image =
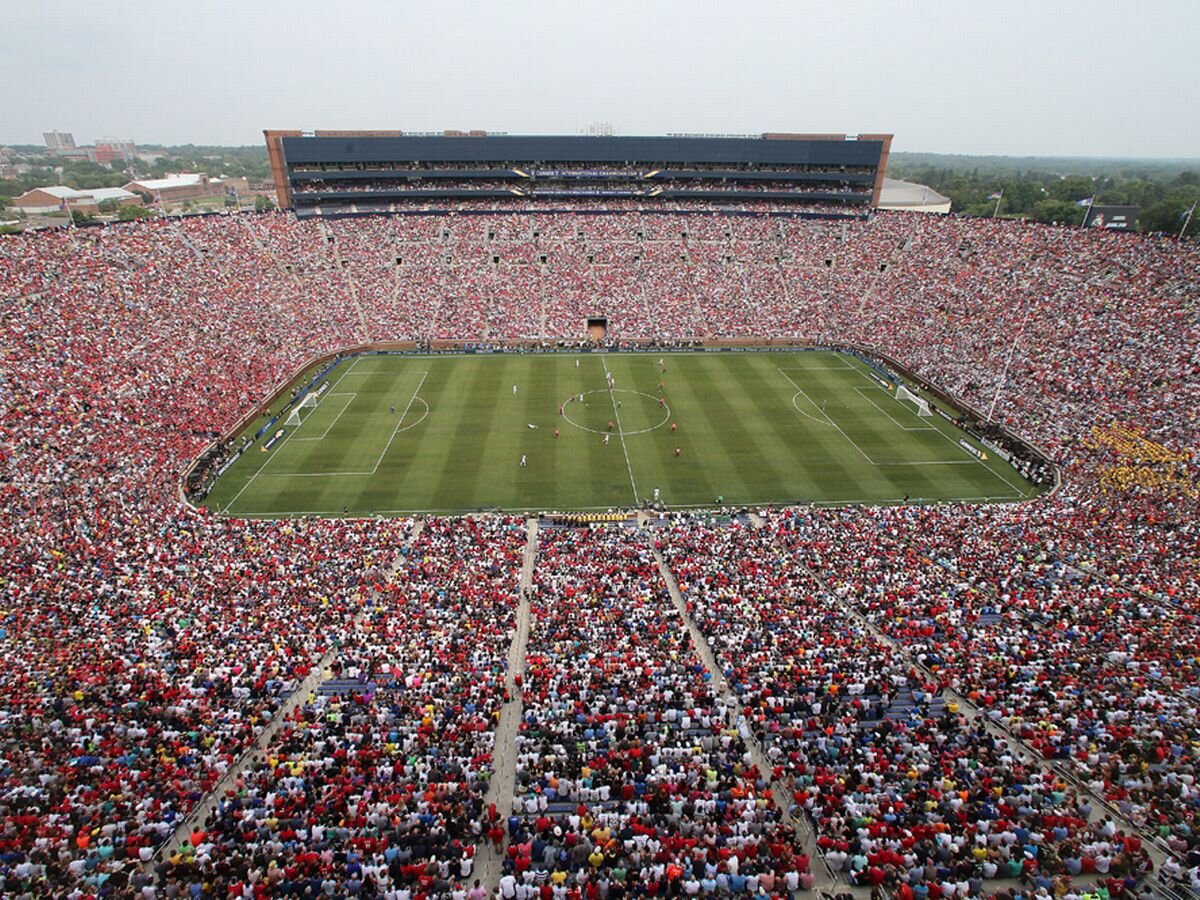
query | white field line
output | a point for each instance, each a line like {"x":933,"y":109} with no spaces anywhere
{"x":344,"y":474}
{"x":329,"y":427}
{"x":770,"y":504}
{"x":829,"y":420}
{"x":620,"y":432}
{"x":862,"y":393}
{"x":841,"y":368}
{"x":1022,"y":493}
{"x":400,"y":421}
{"x":853,"y":368}
{"x":287,"y":437}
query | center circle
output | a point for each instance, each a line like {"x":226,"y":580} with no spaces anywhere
{"x":574,"y":399}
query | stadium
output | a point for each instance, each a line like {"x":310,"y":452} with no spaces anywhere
{"x":598,"y":517}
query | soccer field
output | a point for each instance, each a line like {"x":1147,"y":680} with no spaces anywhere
{"x":403,"y":434}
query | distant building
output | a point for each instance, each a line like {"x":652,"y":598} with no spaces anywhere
{"x":109,"y":149}
{"x":59,"y":198}
{"x":57,"y":141}
{"x":177,"y":188}
{"x":105,"y":151}
{"x":914,"y":197}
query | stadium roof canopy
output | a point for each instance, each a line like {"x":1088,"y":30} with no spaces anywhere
{"x":909,"y":195}
{"x":170,"y":183}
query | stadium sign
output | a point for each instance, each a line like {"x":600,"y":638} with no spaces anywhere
{"x":1114,"y":218}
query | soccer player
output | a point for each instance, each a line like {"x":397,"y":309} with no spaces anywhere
{"x":524,"y":462}
{"x":392,"y":410}
{"x":556,"y":434}
{"x":678,"y":450}
{"x":606,"y":437}
{"x":514,"y":390}
{"x":610,"y":424}
{"x":673,"y":426}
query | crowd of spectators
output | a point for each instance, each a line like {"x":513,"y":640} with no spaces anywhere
{"x":632,"y":774}
{"x":375,"y":786}
{"x":147,"y":644}
{"x":903,"y":788}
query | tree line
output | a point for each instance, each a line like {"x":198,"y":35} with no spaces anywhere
{"x":1052,"y":190}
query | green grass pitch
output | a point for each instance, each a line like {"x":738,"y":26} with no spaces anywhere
{"x":403,"y":434}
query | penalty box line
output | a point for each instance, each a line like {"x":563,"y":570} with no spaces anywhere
{"x":287,"y":437}
{"x":853,"y":443}
{"x":400,"y":421}
{"x":1022,"y":493}
{"x":328,"y":428}
{"x":969,"y":460}
{"x":862,"y":392}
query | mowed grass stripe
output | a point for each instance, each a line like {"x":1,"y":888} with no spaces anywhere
{"x":962,"y":475}
{"x":767,"y":463}
{"x":416,"y":485}
{"x":403,"y":470}
{"x":474,"y":413}
{"x":740,"y":436}
{"x":729,"y":454}
{"x":607,"y":469}
{"x":652,"y":451}
{"x":810,"y":447}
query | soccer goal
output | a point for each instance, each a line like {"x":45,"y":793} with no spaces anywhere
{"x":904,"y":395}
{"x":309,"y":402}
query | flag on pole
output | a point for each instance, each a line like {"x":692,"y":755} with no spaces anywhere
{"x":1086,"y":201}
{"x":1187,"y":213}
{"x":996,"y":196}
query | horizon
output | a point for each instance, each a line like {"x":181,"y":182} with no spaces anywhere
{"x":1024,"y":80}
{"x":155,"y":145}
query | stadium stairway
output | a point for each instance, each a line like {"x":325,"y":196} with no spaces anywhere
{"x":364,"y":330}
{"x":188,"y":242}
{"x":256,"y":752}
{"x":1018,"y":747}
{"x":806,"y":837}
{"x":489,"y":859}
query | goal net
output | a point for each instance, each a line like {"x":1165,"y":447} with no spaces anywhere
{"x":904,"y":395}
{"x":309,"y":402}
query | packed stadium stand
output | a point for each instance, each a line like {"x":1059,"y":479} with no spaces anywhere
{"x":923,"y":701}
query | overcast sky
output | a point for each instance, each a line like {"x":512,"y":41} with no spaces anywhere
{"x":1013,"y":77}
